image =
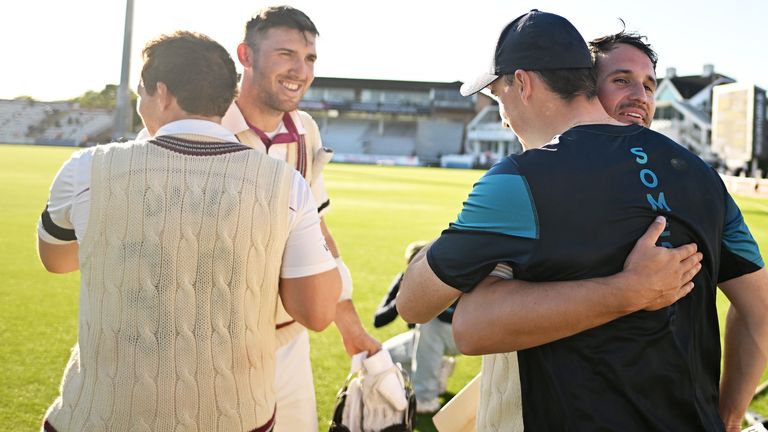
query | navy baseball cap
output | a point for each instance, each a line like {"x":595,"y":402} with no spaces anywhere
{"x":534,"y":41}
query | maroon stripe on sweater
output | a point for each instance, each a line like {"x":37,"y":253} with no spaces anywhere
{"x":284,"y":324}
{"x":301,"y":162}
{"x":266,"y":427}
{"x":196,"y":148}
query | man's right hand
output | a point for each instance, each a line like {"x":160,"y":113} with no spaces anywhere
{"x":516,"y":314}
{"x":660,"y":276}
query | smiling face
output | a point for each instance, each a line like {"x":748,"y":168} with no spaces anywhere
{"x":626,"y":84}
{"x":282,"y":67}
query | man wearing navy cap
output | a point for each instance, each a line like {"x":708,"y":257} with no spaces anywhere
{"x":599,"y":352}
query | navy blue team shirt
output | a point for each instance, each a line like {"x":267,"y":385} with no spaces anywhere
{"x":574,"y":209}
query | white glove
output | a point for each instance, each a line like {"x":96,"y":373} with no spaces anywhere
{"x":384,"y":401}
{"x":351,"y":416}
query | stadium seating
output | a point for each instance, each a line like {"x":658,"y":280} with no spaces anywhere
{"x":50,"y":123}
{"x":346,"y":136}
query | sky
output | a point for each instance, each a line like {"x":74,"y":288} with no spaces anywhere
{"x":56,"y":50}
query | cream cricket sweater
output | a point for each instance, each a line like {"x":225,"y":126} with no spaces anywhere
{"x":303,"y":156}
{"x":501,"y":404}
{"x":180,"y":268}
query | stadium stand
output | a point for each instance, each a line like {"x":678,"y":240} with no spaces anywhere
{"x":76,"y":128}
{"x":439,"y":137}
{"x":390,"y":122}
{"x":346,"y":136}
{"x":395,"y":138}
{"x":392,"y":146}
{"x":51,"y":123}
{"x":362,"y":120}
{"x":18,"y":120}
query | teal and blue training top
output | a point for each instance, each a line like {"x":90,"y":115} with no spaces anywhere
{"x":573,"y":210}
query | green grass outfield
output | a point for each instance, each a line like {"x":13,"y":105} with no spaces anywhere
{"x":376,"y":212}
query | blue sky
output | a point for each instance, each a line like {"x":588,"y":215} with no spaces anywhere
{"x":59,"y":49}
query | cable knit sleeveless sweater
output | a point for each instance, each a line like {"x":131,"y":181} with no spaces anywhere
{"x":300,"y":155}
{"x":501,"y":404}
{"x":180,"y":268}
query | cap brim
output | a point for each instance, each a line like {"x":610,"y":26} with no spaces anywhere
{"x":481,"y":82}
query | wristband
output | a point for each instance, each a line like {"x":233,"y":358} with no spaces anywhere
{"x":502,"y":271}
{"x":346,"y":280}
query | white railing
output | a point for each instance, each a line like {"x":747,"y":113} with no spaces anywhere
{"x":746,"y":185}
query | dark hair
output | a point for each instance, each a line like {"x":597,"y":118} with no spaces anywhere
{"x":567,"y":83}
{"x":277,"y":16}
{"x":197,"y":70}
{"x":606,"y":44}
{"x":413,"y":249}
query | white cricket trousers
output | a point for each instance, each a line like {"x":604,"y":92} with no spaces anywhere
{"x":294,"y":388}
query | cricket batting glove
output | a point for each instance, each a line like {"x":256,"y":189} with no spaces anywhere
{"x":384,"y":394}
{"x":352,"y":416}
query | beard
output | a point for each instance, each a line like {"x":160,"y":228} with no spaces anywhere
{"x":263,"y":92}
{"x":276,"y":103}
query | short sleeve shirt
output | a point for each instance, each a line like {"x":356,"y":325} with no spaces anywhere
{"x":235,"y":122}
{"x":65,"y":218}
{"x":573,"y":210}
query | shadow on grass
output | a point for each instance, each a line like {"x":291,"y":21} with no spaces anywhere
{"x":424,"y":421}
{"x":755,"y":212}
